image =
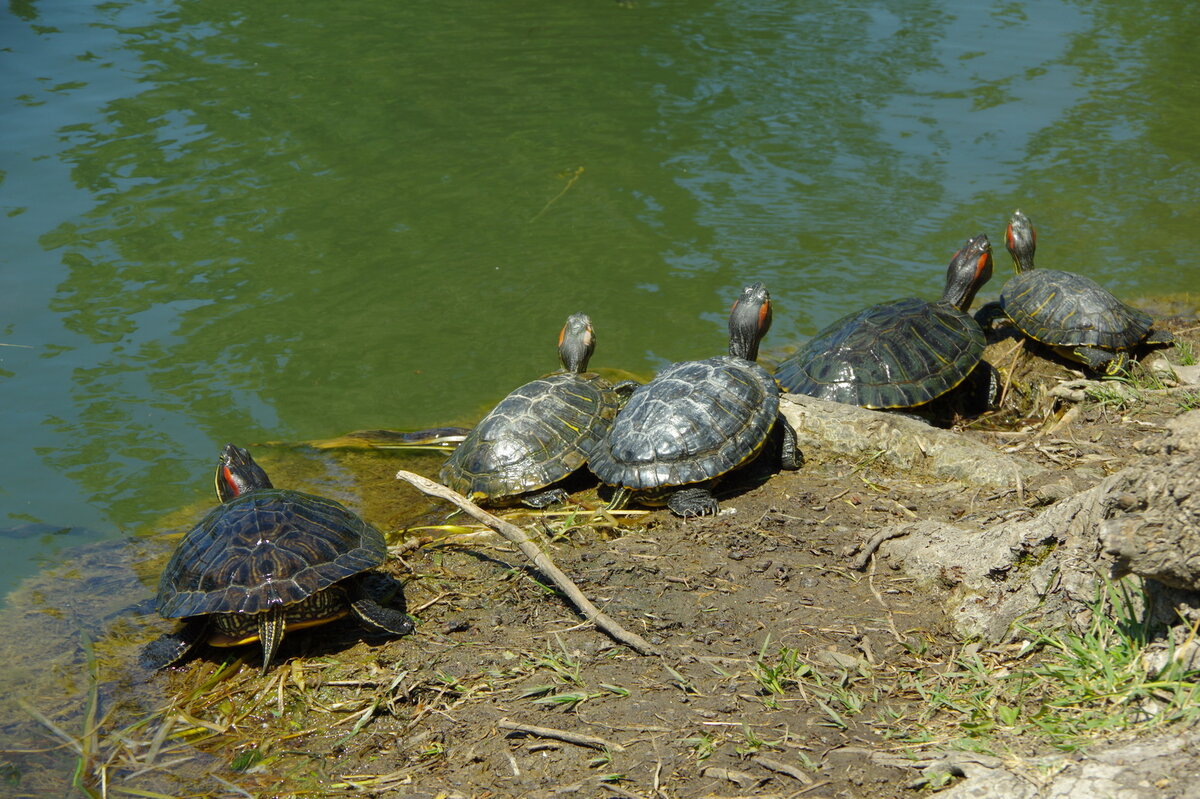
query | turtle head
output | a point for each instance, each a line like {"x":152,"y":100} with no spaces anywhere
{"x":576,"y":342}
{"x":237,"y":473}
{"x":749,"y":321}
{"x":1021,"y":240}
{"x":969,"y":269}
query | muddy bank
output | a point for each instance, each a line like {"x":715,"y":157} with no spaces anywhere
{"x":816,"y":634}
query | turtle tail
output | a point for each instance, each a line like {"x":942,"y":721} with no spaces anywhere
{"x":270,"y":634}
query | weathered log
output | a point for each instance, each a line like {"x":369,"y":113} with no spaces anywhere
{"x":905,"y":444}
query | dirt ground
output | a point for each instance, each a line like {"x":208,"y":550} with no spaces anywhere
{"x":783,"y":674}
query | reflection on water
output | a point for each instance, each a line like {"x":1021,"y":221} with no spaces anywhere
{"x":225,"y":222}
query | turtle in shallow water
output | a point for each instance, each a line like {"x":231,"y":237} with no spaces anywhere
{"x":541,"y":432}
{"x":698,"y":420}
{"x":269,"y":560}
{"x":905,"y":353}
{"x":1072,"y":314}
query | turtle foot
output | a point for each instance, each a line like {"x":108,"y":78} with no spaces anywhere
{"x":1158,"y":338}
{"x":374,"y":589}
{"x":790,"y":456}
{"x":693,"y":502}
{"x":170,"y":648}
{"x":384,"y":619}
{"x":1104,"y":362}
{"x":544,"y":499}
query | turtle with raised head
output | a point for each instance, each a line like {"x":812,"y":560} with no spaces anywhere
{"x":696,"y":421}
{"x":1072,"y":314}
{"x":905,"y":353}
{"x":269,"y":560}
{"x":540,"y":433}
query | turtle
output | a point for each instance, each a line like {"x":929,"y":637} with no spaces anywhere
{"x":541,"y":432}
{"x":905,"y":353}
{"x":696,"y":421}
{"x":269,"y":560}
{"x":1072,"y":314}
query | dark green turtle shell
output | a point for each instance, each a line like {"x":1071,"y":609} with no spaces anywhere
{"x":266,"y":549}
{"x":897,"y":354}
{"x":537,"y":435}
{"x":694,"y":421}
{"x":1064,"y":309}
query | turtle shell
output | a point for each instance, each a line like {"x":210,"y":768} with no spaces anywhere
{"x":266,"y":549}
{"x":896,"y":354}
{"x":1064,"y":309}
{"x":537,"y":435}
{"x":694,"y":421}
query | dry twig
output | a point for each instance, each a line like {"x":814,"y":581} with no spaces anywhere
{"x":873,"y":545}
{"x":540,"y":559}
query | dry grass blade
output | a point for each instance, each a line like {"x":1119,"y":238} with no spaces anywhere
{"x":540,"y":559}
{"x":373,"y":782}
{"x":559,"y":735}
{"x":147,"y":794}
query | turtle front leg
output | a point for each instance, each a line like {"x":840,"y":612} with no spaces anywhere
{"x":992,"y":316}
{"x":693,"y":502}
{"x":170,"y":648}
{"x":370,"y":592}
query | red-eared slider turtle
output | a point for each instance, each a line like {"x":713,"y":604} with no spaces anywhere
{"x":899,"y":354}
{"x":1074,"y":315}
{"x":541,"y":432}
{"x":697,"y":420}
{"x":268,"y":560}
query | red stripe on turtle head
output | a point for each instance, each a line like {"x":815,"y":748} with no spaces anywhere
{"x":230,"y":482}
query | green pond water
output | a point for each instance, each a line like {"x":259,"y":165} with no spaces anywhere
{"x":260,"y":222}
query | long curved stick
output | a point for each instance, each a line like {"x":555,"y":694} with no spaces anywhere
{"x":540,"y":559}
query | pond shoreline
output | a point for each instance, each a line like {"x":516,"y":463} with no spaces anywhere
{"x":787,"y":666}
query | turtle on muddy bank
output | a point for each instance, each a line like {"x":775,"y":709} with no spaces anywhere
{"x":269,"y":560}
{"x":542,"y":432}
{"x":698,"y":420}
{"x":1071,"y":314}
